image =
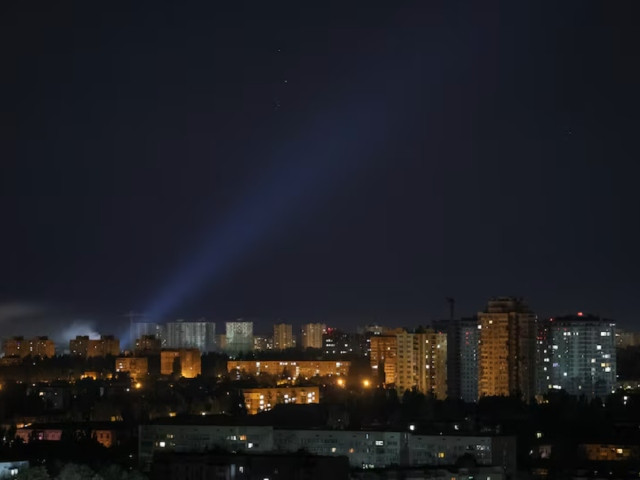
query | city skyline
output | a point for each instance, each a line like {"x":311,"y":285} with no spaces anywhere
{"x":347,"y":240}
{"x":18,"y":323}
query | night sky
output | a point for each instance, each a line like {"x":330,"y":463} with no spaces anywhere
{"x":317,"y":162}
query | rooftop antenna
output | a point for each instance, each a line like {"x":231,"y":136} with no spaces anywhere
{"x":452,"y":302}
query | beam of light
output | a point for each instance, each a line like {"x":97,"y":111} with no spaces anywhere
{"x":285,"y":192}
{"x":338,"y":143}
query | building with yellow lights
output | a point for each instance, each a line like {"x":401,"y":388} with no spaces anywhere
{"x":312,"y":335}
{"x":283,"y":336}
{"x":262,"y":399}
{"x":422,"y":362}
{"x":186,"y":361}
{"x":36,"y":347}
{"x":137,"y":367}
{"x":507,"y":348}
{"x":384,"y":349}
{"x":83,"y":346}
{"x":294,"y":369}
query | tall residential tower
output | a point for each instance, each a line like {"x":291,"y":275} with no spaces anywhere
{"x":507,"y":349}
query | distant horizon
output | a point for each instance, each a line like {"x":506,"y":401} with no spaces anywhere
{"x":61,"y":328}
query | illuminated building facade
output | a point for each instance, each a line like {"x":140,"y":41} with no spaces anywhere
{"x":36,"y":347}
{"x":85,"y":347}
{"x":262,"y":343}
{"x":259,"y":400}
{"x":312,"y":335}
{"x":283,"y":336}
{"x":137,"y":367}
{"x":295,"y":369}
{"x":185,"y":361}
{"x":422,"y":362}
{"x":580,"y":355}
{"x":200,"y":335}
{"x":338,"y":342}
{"x":239,"y":337}
{"x":507,"y":349}
{"x":384,"y":349}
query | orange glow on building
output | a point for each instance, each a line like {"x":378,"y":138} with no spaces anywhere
{"x":189,"y":362}
{"x":262,"y":399}
{"x":36,"y":347}
{"x":137,"y":367}
{"x":85,"y":347}
{"x":295,"y":369}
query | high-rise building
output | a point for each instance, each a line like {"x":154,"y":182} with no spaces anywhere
{"x":422,"y":362}
{"x":200,"y":335}
{"x":36,"y":347}
{"x":507,"y":349}
{"x":83,"y":346}
{"x":239,"y":337}
{"x":221,"y":342}
{"x":141,"y":329}
{"x":384,"y":349}
{"x":581,"y":355}
{"x":282,"y":336}
{"x":312,"y":335}
{"x":462,"y":357}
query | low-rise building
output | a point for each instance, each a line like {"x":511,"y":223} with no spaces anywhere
{"x":35,"y":347}
{"x":259,"y":400}
{"x":364,"y":449}
{"x":293,"y":368}
{"x":83,"y":346}
{"x":187,"y":466}
{"x":186,"y":361}
{"x":137,"y":367}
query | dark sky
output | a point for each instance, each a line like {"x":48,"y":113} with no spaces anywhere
{"x":318,"y":160}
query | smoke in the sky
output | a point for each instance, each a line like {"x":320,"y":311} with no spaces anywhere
{"x":31,"y":319}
